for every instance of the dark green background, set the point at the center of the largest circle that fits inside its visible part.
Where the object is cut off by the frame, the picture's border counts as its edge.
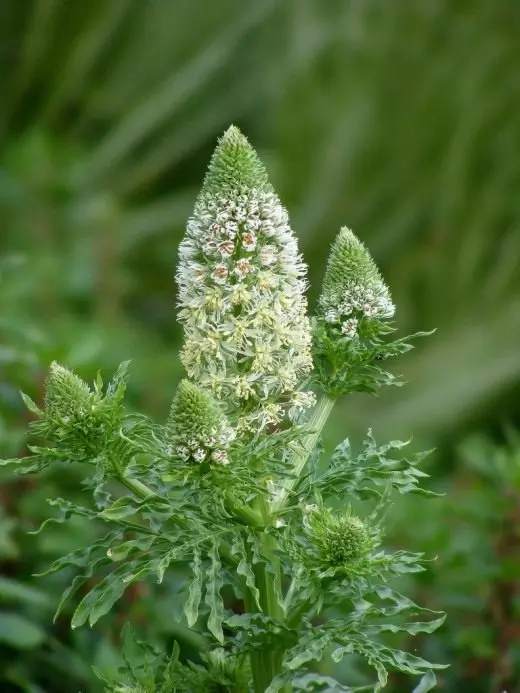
(399, 119)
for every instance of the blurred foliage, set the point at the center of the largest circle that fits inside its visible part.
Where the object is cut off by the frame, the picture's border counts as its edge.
(399, 119)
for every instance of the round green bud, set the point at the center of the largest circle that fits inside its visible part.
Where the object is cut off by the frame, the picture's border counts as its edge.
(341, 540)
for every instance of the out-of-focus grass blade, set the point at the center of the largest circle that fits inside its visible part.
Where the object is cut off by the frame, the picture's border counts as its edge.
(162, 105)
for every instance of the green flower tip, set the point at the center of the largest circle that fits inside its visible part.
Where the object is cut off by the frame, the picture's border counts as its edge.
(353, 286)
(66, 394)
(198, 429)
(235, 164)
(341, 540)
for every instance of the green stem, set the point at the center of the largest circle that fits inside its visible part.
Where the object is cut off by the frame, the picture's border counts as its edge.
(265, 665)
(137, 487)
(189, 637)
(299, 459)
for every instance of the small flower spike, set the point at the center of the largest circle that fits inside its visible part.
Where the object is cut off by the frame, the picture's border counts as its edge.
(198, 430)
(353, 287)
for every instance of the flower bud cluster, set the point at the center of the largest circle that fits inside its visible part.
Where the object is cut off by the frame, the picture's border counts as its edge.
(353, 287)
(197, 429)
(241, 290)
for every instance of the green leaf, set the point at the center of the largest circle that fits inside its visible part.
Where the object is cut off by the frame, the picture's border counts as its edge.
(121, 508)
(31, 406)
(427, 682)
(102, 597)
(191, 607)
(17, 631)
(245, 570)
(213, 598)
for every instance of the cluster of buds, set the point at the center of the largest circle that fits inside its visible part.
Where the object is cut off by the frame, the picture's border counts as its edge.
(197, 429)
(242, 291)
(353, 288)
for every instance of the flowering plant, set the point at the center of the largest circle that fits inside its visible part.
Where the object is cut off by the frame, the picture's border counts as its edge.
(232, 484)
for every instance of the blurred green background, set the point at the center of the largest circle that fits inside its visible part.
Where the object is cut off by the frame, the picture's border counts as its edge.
(400, 119)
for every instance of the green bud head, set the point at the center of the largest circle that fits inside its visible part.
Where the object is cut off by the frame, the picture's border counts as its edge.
(77, 421)
(234, 165)
(353, 286)
(341, 540)
(66, 394)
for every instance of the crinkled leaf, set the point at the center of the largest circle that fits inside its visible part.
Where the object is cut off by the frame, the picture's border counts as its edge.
(427, 682)
(102, 596)
(213, 598)
(121, 508)
(191, 607)
(245, 570)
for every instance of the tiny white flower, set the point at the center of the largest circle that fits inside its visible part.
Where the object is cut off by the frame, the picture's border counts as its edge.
(226, 248)
(227, 435)
(349, 327)
(249, 242)
(182, 452)
(220, 274)
(331, 316)
(267, 255)
(231, 230)
(240, 294)
(242, 267)
(369, 310)
(199, 455)
(220, 457)
(345, 308)
(280, 522)
(210, 247)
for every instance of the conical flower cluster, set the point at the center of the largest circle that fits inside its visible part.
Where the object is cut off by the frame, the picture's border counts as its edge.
(198, 430)
(353, 287)
(241, 290)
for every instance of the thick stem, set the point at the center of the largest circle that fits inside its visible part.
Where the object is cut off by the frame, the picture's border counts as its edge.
(299, 459)
(265, 665)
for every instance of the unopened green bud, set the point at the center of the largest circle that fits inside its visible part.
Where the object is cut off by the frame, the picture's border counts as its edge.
(234, 165)
(74, 418)
(79, 422)
(341, 540)
(198, 429)
(353, 288)
(67, 396)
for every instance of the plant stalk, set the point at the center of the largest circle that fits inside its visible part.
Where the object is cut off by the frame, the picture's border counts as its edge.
(299, 459)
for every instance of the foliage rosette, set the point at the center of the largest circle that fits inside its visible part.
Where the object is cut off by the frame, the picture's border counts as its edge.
(242, 289)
